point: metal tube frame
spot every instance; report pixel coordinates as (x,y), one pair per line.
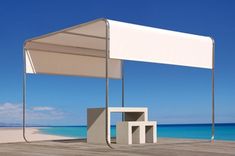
(213,92)
(107,89)
(123,91)
(107,86)
(24,97)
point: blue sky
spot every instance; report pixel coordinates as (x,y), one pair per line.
(173,94)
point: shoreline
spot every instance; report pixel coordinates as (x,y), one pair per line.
(14,135)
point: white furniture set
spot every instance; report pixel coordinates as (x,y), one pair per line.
(136,129)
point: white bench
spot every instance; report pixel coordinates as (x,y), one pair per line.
(136,132)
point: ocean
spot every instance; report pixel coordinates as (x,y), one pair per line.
(190,131)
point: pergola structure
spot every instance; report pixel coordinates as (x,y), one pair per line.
(99,48)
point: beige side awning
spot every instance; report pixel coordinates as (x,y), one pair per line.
(77,51)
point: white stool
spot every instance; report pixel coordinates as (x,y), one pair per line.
(136,132)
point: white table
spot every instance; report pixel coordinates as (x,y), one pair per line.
(96,121)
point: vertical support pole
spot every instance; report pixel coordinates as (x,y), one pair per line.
(24,97)
(107,86)
(213,93)
(123,91)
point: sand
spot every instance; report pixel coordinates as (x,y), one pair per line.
(11,135)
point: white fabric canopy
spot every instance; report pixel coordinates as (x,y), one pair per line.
(141,43)
(81,50)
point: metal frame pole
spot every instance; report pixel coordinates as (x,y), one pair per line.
(123,91)
(107,85)
(213,93)
(24,97)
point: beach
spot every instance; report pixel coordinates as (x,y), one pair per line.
(11,135)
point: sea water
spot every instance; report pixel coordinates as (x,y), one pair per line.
(190,131)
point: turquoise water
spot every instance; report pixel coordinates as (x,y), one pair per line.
(191,131)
